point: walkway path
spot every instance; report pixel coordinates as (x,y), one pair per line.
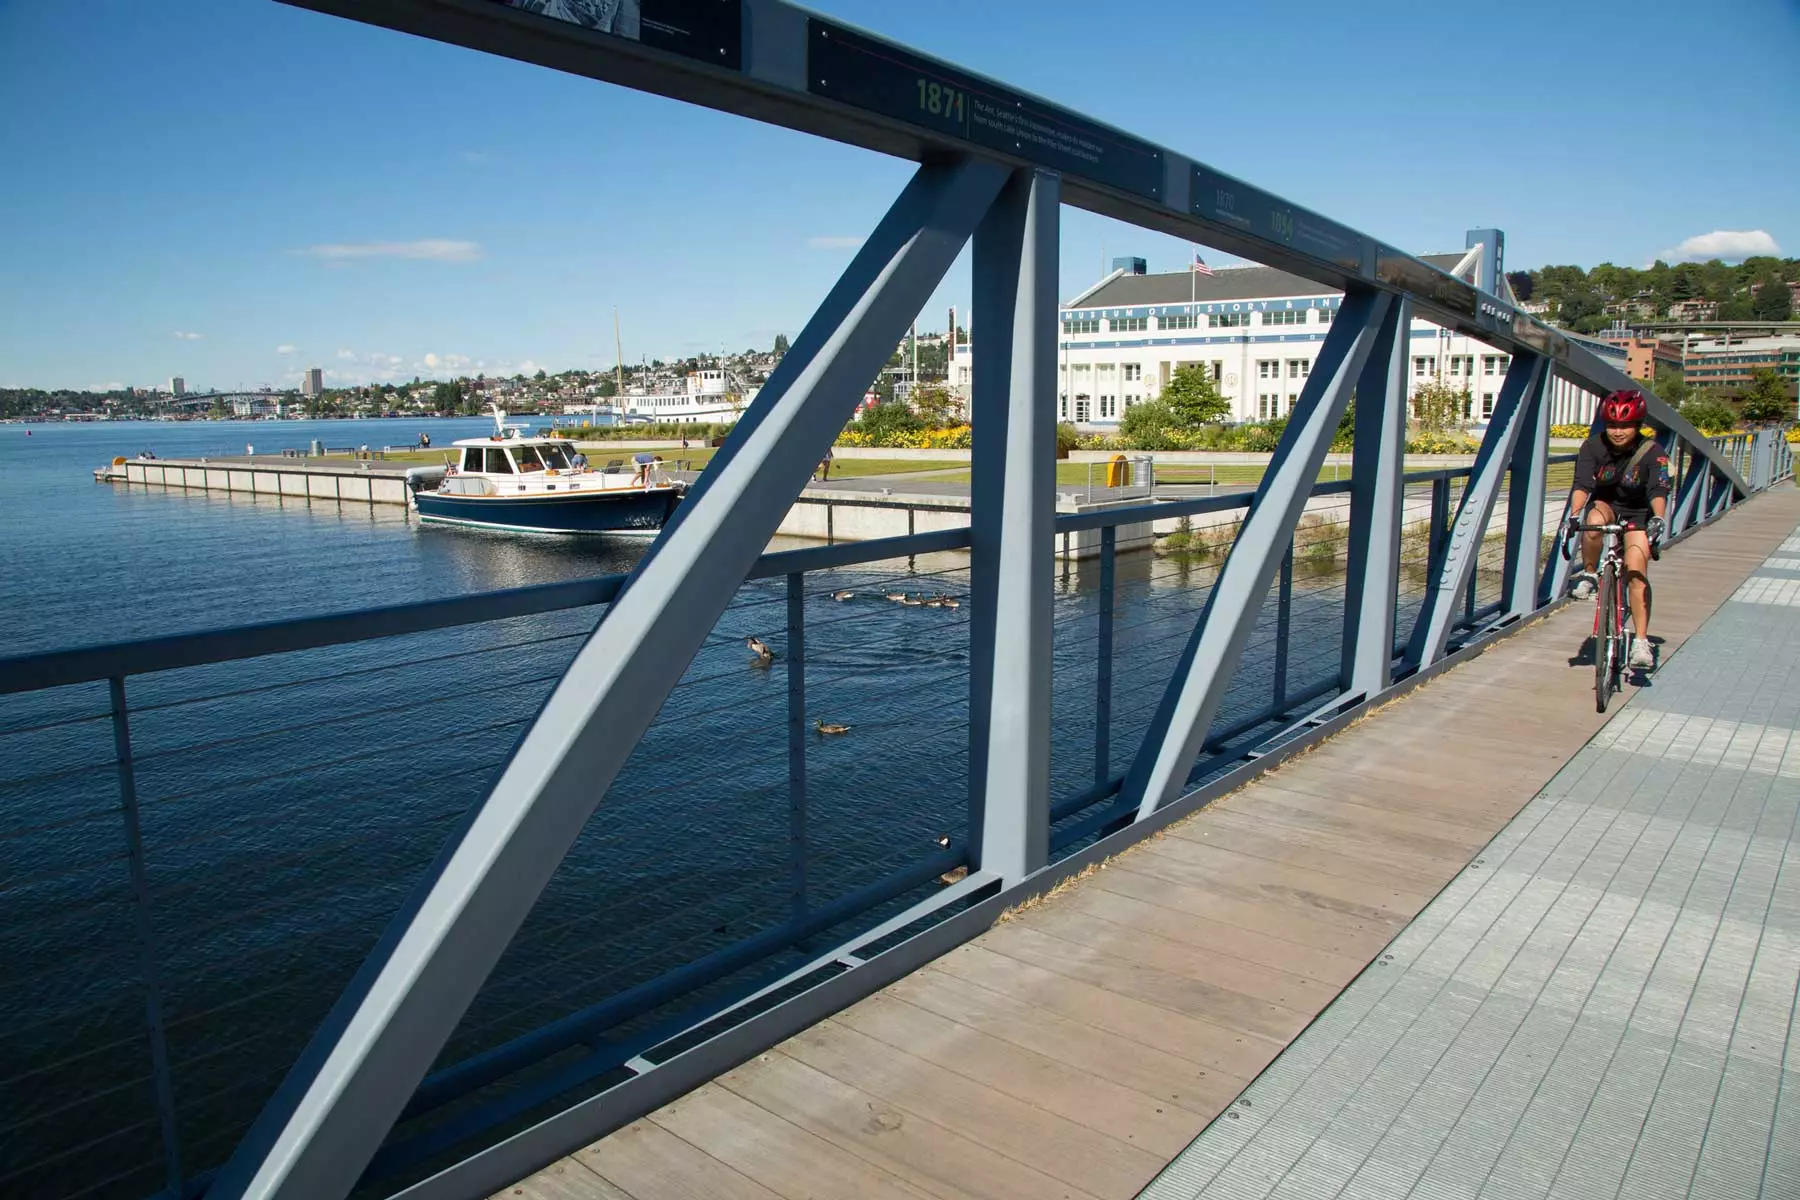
(1602,1004)
(1073,1050)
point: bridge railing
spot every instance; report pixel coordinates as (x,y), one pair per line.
(208,832)
(268,798)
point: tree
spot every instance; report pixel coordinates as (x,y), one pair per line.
(935,406)
(1578,306)
(1773,301)
(1767,399)
(1149,425)
(1672,388)
(540,375)
(1708,413)
(781,344)
(1193,398)
(1438,407)
(1522,285)
(889,421)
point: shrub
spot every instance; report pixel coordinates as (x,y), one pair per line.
(1440,443)
(1181,537)
(1709,415)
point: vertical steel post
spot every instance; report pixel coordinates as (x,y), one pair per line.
(1197,687)
(161,1078)
(1377,503)
(1103,684)
(796,722)
(1012,520)
(1440,525)
(319,1131)
(1525,504)
(1284,624)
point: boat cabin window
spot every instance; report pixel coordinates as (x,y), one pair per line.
(554,457)
(471,458)
(496,462)
(527,458)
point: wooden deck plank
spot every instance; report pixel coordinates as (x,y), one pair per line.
(1214,1046)
(777,1154)
(1021,1064)
(929,1155)
(647,1162)
(1120,1112)
(1159,1072)
(565,1180)
(1078,1154)
(1279,987)
(1159,908)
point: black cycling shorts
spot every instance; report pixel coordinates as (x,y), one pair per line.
(1635,518)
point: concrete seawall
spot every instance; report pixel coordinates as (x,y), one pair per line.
(362,482)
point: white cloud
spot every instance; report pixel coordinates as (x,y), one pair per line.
(432,249)
(284,348)
(346,354)
(829,242)
(188,337)
(1731,245)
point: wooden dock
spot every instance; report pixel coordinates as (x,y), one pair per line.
(1074,1049)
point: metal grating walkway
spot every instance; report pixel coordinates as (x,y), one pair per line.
(1603,1003)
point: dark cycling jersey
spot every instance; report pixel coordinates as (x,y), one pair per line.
(1621,476)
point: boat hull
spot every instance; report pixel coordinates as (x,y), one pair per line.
(619,511)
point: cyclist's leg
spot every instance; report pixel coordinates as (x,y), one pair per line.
(1599,512)
(1637,572)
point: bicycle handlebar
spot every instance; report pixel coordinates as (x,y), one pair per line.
(1568,542)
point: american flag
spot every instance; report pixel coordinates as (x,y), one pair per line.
(1200,267)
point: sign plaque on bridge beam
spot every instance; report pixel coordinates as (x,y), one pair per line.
(859,70)
(709,31)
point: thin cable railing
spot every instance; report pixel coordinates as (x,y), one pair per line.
(255,804)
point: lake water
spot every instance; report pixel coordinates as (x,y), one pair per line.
(289,804)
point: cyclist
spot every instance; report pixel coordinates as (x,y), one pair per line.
(1621,478)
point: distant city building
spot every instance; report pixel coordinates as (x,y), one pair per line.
(314,383)
(1694,310)
(1643,355)
(177,386)
(1731,362)
(1257,331)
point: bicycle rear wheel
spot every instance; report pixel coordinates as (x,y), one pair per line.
(1607,637)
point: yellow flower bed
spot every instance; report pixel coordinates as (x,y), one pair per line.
(1793,436)
(1568,431)
(955,437)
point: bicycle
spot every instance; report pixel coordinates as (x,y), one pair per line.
(1609,606)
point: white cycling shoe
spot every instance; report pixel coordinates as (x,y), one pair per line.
(1642,653)
(1583,584)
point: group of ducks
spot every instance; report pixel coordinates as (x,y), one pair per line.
(762,657)
(910,599)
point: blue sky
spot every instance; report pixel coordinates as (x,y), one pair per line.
(232,190)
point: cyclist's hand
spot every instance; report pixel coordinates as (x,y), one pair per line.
(1655,529)
(1572,527)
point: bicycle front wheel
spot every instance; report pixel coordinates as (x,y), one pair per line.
(1607,638)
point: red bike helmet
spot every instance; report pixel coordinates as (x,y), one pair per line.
(1623,408)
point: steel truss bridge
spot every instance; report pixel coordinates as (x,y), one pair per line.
(148,1016)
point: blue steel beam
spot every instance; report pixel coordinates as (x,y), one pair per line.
(1178,730)
(766,61)
(324,1123)
(1512,413)
(1525,503)
(1377,501)
(1013,514)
